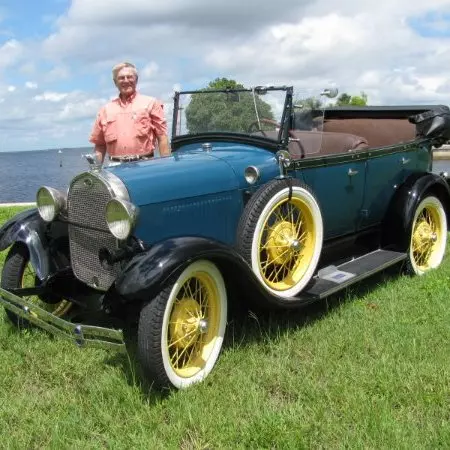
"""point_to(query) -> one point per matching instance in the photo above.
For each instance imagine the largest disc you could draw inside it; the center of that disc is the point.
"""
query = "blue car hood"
(176, 177)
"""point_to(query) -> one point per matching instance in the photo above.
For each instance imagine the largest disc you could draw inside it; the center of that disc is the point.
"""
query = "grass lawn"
(369, 368)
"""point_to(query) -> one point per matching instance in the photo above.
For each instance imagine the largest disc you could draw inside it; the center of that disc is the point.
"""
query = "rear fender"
(398, 220)
(28, 227)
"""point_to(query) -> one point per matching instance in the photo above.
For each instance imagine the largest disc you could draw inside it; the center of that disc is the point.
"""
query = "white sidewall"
(307, 197)
(443, 219)
(213, 271)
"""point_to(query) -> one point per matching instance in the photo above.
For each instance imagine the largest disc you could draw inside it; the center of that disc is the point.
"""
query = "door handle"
(352, 172)
(405, 161)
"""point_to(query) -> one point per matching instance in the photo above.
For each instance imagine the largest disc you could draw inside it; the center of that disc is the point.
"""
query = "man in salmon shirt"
(128, 127)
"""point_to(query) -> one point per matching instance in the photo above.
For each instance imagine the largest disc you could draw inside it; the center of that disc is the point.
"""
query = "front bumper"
(81, 335)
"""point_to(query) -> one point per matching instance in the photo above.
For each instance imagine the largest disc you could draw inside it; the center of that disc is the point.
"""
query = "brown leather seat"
(378, 132)
(317, 143)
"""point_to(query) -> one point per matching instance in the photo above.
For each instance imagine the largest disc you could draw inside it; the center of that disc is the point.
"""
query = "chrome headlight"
(121, 217)
(50, 202)
(251, 174)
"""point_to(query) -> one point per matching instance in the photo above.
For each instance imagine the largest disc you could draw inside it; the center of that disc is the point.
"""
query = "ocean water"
(22, 173)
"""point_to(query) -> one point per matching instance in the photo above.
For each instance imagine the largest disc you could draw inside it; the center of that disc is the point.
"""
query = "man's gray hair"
(118, 67)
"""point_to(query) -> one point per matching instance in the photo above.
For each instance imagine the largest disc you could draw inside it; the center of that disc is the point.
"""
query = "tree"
(343, 100)
(359, 100)
(303, 112)
(352, 100)
(225, 111)
(308, 103)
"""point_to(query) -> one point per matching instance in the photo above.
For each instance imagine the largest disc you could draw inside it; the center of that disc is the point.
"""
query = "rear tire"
(428, 237)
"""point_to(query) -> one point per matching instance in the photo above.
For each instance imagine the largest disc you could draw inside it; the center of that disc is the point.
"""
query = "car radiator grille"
(88, 231)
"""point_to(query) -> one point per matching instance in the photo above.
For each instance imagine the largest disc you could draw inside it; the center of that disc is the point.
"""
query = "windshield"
(295, 121)
(257, 111)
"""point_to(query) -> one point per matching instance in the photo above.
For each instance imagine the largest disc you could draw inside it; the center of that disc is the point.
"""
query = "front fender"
(398, 221)
(29, 228)
(147, 273)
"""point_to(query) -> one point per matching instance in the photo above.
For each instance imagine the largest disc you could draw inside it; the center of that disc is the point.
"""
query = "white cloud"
(149, 71)
(11, 88)
(58, 73)
(50, 97)
(357, 46)
(78, 108)
(10, 53)
(354, 45)
(29, 68)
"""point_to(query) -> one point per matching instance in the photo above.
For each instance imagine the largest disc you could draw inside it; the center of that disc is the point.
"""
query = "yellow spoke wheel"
(281, 234)
(181, 331)
(428, 236)
(286, 244)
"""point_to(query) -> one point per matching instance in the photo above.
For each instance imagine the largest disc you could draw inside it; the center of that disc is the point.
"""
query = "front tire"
(428, 237)
(19, 273)
(180, 332)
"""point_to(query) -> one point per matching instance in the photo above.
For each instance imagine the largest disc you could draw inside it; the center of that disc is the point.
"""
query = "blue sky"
(432, 24)
(56, 55)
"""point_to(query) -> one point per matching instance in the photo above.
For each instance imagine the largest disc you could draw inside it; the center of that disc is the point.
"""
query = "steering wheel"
(256, 125)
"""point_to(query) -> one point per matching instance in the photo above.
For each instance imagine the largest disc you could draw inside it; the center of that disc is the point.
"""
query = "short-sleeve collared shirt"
(129, 128)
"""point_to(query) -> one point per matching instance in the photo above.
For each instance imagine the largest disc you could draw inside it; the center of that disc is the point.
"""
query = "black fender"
(28, 227)
(398, 220)
(148, 272)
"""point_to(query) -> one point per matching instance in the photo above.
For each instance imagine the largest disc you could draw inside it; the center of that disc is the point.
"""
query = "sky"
(56, 56)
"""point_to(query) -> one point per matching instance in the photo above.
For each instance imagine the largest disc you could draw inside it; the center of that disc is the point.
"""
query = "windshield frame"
(283, 133)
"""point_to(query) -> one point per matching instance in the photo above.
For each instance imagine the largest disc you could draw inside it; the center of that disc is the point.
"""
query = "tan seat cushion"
(316, 143)
(378, 132)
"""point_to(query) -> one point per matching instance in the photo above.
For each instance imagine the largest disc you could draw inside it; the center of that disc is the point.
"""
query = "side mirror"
(330, 93)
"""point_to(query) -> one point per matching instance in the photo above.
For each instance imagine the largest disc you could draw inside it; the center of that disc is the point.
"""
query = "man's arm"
(97, 138)
(163, 145)
(160, 126)
(100, 151)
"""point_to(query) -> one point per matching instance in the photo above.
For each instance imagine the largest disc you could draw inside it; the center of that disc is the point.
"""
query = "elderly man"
(128, 127)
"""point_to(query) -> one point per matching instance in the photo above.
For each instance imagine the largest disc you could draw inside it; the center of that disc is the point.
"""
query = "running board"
(332, 279)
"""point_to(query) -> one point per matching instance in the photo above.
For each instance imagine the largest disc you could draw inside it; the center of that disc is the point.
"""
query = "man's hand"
(100, 151)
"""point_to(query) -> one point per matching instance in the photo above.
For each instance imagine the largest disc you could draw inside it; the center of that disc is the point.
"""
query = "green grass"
(366, 369)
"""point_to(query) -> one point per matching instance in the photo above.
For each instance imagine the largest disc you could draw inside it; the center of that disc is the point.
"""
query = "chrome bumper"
(81, 335)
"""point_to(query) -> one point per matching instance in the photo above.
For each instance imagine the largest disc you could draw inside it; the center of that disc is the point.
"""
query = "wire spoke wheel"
(193, 325)
(30, 279)
(428, 236)
(181, 330)
(286, 244)
(280, 234)
(18, 272)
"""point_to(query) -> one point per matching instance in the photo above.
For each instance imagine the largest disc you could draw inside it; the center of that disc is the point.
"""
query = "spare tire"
(280, 234)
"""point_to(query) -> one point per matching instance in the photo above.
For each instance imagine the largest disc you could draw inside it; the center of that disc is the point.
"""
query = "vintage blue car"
(284, 201)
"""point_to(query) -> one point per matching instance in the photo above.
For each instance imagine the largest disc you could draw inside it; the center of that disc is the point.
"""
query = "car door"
(387, 169)
(338, 182)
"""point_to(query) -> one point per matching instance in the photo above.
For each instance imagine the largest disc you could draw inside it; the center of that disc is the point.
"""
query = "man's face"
(126, 81)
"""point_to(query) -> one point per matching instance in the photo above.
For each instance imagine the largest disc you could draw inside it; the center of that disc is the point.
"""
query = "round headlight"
(120, 217)
(251, 174)
(50, 202)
